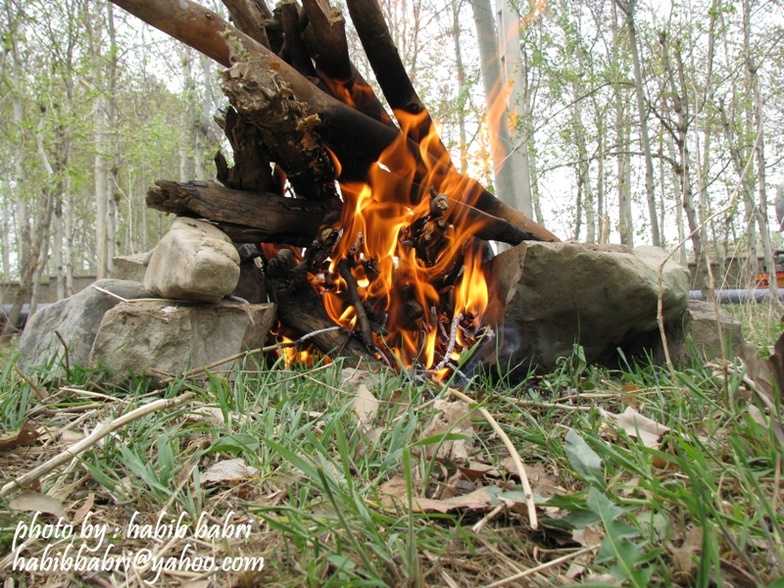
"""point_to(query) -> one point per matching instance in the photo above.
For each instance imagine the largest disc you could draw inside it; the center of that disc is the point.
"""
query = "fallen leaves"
(37, 502)
(228, 470)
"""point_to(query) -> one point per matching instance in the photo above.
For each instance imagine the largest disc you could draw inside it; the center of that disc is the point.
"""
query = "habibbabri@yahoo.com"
(93, 546)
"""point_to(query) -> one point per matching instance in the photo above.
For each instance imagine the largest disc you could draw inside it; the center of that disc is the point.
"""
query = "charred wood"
(300, 308)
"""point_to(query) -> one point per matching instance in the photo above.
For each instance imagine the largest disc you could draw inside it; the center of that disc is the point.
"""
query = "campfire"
(370, 237)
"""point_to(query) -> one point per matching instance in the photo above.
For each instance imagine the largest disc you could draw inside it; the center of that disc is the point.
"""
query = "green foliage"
(619, 548)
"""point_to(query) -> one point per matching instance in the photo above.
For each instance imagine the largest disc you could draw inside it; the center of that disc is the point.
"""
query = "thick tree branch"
(356, 139)
(246, 217)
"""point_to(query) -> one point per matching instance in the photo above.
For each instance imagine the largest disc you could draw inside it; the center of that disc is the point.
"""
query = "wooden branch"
(247, 217)
(355, 138)
(249, 16)
(390, 73)
(252, 170)
(326, 38)
(356, 302)
(287, 130)
(293, 43)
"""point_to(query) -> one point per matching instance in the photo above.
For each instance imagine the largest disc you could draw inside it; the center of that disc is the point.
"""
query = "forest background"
(631, 121)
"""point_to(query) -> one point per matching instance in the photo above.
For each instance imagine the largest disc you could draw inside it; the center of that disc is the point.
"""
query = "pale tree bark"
(622, 138)
(461, 85)
(199, 77)
(624, 170)
(628, 8)
(29, 232)
(582, 167)
(758, 118)
(515, 78)
(678, 126)
(105, 123)
(602, 223)
(508, 176)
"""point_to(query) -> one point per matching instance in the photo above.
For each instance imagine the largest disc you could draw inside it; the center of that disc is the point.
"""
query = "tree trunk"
(501, 146)
(753, 90)
(629, 7)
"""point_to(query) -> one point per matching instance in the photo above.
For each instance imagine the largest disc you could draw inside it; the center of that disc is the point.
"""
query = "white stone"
(193, 261)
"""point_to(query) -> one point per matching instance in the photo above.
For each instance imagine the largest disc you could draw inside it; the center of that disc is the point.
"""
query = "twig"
(112, 294)
(529, 496)
(542, 567)
(489, 517)
(39, 392)
(451, 346)
(101, 431)
(537, 404)
(65, 349)
(356, 301)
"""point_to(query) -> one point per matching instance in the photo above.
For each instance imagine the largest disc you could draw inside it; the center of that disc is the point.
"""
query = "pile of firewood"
(360, 216)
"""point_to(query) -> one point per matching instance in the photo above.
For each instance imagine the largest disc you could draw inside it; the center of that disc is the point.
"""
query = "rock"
(76, 319)
(193, 261)
(163, 337)
(131, 267)
(549, 296)
(700, 340)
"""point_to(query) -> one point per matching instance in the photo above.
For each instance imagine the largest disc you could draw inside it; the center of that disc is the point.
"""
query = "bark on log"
(249, 17)
(252, 170)
(246, 217)
(288, 132)
(387, 66)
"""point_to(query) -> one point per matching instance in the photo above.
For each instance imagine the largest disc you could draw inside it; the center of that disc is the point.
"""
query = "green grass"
(703, 508)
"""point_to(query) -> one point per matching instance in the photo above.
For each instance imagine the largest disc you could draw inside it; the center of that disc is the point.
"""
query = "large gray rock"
(549, 296)
(193, 261)
(158, 337)
(76, 319)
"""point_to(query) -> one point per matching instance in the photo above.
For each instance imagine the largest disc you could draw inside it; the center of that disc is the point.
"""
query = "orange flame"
(417, 266)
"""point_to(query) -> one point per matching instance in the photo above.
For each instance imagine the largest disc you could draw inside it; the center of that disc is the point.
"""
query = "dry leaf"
(365, 406)
(474, 470)
(394, 495)
(213, 414)
(649, 431)
(683, 555)
(84, 509)
(228, 470)
(27, 435)
(37, 502)
(543, 482)
(452, 418)
(629, 395)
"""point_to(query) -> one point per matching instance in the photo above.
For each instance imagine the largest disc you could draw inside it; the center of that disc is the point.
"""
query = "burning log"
(357, 139)
(300, 309)
(394, 234)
